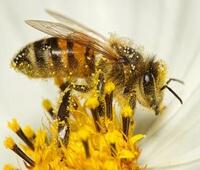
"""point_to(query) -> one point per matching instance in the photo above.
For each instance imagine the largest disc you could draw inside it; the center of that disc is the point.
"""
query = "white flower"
(169, 29)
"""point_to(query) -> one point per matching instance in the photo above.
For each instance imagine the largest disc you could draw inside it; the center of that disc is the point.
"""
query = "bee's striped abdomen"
(90, 58)
(46, 57)
(39, 49)
(53, 57)
(73, 63)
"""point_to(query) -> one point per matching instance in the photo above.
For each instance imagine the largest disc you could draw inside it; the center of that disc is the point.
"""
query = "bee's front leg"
(130, 94)
(128, 110)
(132, 100)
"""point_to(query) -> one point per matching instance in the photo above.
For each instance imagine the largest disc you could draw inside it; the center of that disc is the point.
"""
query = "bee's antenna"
(173, 92)
(174, 79)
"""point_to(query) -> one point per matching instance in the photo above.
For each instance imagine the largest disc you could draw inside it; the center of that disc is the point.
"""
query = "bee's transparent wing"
(75, 25)
(64, 31)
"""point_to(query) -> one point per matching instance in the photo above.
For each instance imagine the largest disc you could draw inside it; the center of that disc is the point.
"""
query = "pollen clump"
(9, 143)
(14, 125)
(85, 131)
(9, 167)
(46, 104)
(110, 165)
(28, 131)
(127, 111)
(92, 103)
(109, 87)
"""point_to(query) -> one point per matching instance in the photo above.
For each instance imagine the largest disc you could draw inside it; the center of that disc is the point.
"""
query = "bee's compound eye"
(148, 83)
(148, 91)
(148, 79)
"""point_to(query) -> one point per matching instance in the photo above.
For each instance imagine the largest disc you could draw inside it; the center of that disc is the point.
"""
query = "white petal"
(177, 140)
(177, 41)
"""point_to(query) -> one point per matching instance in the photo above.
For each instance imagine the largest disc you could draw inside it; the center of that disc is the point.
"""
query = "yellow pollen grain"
(136, 138)
(13, 125)
(46, 104)
(84, 133)
(92, 103)
(28, 131)
(110, 165)
(127, 111)
(126, 154)
(8, 167)
(109, 87)
(113, 137)
(9, 143)
(40, 139)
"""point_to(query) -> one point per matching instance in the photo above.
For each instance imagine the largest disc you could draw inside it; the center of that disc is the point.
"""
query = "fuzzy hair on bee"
(75, 52)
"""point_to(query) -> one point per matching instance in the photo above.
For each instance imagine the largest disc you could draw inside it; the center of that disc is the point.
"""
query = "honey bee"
(75, 51)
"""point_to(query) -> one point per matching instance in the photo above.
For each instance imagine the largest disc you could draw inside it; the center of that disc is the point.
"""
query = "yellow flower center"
(80, 136)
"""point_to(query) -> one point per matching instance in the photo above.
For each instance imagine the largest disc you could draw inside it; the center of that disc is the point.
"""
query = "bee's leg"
(109, 96)
(101, 83)
(130, 94)
(61, 83)
(132, 100)
(100, 90)
(97, 83)
(81, 88)
(128, 112)
(63, 116)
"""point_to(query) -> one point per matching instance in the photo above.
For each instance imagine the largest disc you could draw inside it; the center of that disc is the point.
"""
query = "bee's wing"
(64, 31)
(76, 25)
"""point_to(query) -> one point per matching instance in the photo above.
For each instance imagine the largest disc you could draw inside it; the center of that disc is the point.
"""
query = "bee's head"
(151, 83)
(21, 62)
